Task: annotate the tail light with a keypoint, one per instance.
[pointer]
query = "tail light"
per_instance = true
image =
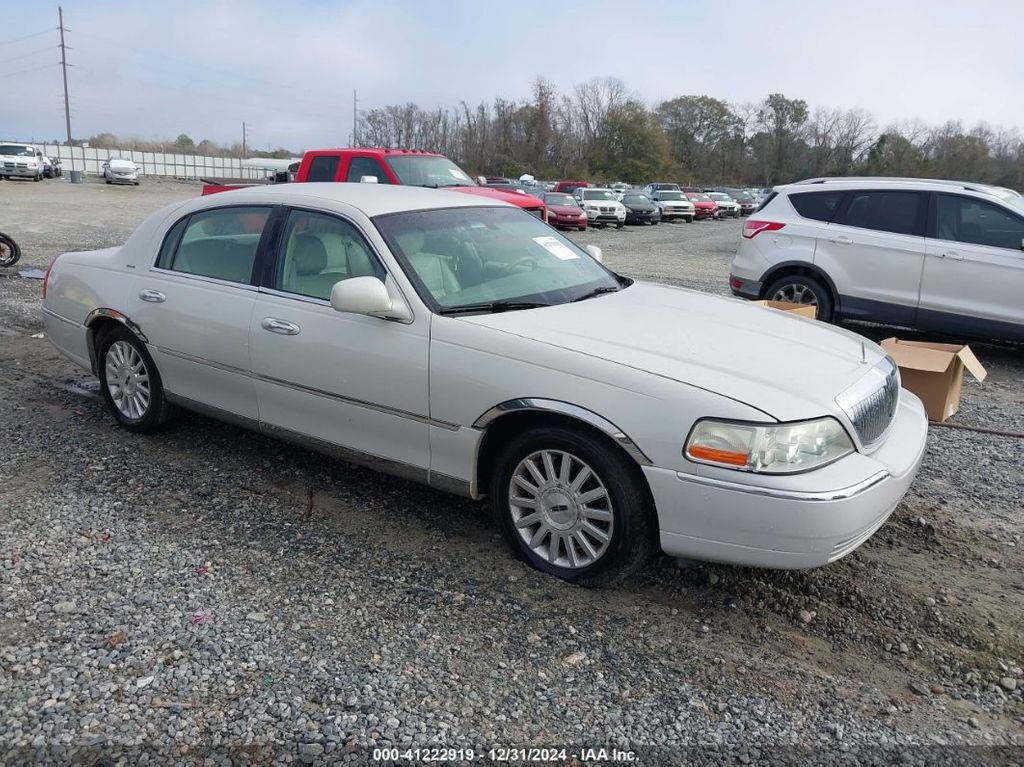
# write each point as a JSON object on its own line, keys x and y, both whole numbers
{"x": 46, "y": 277}
{"x": 752, "y": 228}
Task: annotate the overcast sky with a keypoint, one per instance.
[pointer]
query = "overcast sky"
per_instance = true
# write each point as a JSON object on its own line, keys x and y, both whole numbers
{"x": 289, "y": 68}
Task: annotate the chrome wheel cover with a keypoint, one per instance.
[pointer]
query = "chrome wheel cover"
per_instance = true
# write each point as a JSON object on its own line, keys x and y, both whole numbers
{"x": 796, "y": 293}
{"x": 127, "y": 380}
{"x": 561, "y": 509}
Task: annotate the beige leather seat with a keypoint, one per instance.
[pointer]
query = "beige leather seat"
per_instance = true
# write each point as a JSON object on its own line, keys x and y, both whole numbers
{"x": 304, "y": 268}
{"x": 432, "y": 268}
{"x": 220, "y": 258}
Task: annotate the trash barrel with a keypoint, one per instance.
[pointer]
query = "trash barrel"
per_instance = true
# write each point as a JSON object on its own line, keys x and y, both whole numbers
{"x": 76, "y": 177}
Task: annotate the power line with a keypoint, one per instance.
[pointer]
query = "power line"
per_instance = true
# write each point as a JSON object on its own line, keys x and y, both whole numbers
{"x": 47, "y": 49}
{"x": 31, "y": 69}
{"x": 26, "y": 37}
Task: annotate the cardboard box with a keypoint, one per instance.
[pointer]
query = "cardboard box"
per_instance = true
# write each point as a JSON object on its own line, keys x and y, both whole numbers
{"x": 804, "y": 310}
{"x": 934, "y": 372}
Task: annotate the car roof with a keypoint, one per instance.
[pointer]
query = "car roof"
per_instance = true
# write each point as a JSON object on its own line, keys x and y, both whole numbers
{"x": 914, "y": 183}
{"x": 371, "y": 199}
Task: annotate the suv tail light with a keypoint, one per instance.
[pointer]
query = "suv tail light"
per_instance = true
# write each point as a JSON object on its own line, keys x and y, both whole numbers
{"x": 46, "y": 277}
{"x": 752, "y": 228}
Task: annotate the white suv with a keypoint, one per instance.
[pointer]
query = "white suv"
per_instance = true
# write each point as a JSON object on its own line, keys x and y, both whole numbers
{"x": 946, "y": 256}
{"x": 601, "y": 206}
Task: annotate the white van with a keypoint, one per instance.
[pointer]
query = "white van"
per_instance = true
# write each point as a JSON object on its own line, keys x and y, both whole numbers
{"x": 21, "y": 161}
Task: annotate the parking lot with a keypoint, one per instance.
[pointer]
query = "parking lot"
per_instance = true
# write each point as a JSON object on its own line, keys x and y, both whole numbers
{"x": 213, "y": 590}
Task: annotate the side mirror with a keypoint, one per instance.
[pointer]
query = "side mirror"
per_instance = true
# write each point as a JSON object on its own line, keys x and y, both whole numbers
{"x": 361, "y": 295}
{"x": 595, "y": 252}
{"x": 367, "y": 179}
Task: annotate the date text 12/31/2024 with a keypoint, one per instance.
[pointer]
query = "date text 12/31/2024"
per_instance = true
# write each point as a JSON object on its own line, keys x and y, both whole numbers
{"x": 505, "y": 754}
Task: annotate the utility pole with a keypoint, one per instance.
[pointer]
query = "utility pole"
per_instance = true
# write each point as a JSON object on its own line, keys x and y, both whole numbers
{"x": 64, "y": 68}
{"x": 355, "y": 130}
{"x": 243, "y": 140}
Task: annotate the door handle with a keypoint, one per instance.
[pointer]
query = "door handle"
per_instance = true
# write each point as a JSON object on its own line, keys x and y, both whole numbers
{"x": 842, "y": 239}
{"x": 282, "y": 327}
{"x": 951, "y": 254}
{"x": 153, "y": 296}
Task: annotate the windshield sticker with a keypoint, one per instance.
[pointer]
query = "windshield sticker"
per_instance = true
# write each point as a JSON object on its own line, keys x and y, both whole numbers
{"x": 555, "y": 248}
{"x": 457, "y": 173}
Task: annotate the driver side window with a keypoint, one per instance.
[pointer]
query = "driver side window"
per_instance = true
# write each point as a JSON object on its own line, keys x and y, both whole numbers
{"x": 319, "y": 250}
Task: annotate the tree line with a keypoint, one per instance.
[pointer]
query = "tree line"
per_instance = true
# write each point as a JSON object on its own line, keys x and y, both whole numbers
{"x": 183, "y": 144}
{"x": 599, "y": 130}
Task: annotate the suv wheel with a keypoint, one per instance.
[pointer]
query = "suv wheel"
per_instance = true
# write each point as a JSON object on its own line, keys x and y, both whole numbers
{"x": 572, "y": 506}
{"x": 801, "y": 289}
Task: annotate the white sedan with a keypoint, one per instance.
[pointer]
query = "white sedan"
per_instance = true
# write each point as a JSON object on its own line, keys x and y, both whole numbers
{"x": 465, "y": 344}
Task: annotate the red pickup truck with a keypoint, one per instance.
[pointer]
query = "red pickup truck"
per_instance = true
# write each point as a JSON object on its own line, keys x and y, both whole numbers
{"x": 410, "y": 167}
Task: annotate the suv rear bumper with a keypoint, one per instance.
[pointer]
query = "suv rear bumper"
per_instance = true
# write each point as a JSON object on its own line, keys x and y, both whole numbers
{"x": 744, "y": 288}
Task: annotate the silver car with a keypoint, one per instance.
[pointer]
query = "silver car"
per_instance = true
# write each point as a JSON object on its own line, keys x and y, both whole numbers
{"x": 120, "y": 171}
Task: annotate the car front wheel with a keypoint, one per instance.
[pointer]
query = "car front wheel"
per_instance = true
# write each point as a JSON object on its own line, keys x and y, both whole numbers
{"x": 572, "y": 506}
{"x": 130, "y": 383}
{"x": 802, "y": 289}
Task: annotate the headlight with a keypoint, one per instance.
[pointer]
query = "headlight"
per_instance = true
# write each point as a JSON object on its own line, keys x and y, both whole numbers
{"x": 784, "y": 448}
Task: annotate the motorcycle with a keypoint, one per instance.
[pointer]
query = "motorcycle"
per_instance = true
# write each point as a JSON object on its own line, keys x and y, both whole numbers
{"x": 9, "y": 251}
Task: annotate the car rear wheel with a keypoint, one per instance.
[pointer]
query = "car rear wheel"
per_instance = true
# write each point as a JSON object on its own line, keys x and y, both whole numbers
{"x": 572, "y": 506}
{"x": 130, "y": 383}
{"x": 802, "y": 289}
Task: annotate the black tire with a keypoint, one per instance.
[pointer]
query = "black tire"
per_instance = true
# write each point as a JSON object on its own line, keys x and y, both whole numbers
{"x": 582, "y": 228}
{"x": 633, "y": 530}
{"x": 107, "y": 180}
{"x": 655, "y": 223}
{"x": 159, "y": 410}
{"x": 9, "y": 251}
{"x": 794, "y": 284}
{"x": 37, "y": 178}
{"x": 619, "y": 225}
{"x": 688, "y": 219}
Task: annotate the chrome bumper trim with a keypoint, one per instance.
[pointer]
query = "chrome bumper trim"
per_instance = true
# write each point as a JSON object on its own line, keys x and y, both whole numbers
{"x": 791, "y": 495}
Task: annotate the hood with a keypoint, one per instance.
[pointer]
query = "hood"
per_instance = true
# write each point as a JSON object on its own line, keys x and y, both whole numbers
{"x": 514, "y": 198}
{"x": 703, "y": 204}
{"x": 788, "y": 367}
{"x": 566, "y": 210}
{"x": 644, "y": 208}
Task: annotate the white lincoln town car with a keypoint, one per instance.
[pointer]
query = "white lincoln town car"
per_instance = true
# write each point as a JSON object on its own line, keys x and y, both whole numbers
{"x": 467, "y": 345}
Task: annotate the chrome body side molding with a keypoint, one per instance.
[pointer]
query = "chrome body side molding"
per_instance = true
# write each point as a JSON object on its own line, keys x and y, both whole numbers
{"x": 564, "y": 408}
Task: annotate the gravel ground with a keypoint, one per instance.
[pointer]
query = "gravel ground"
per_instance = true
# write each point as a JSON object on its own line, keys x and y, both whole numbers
{"x": 213, "y": 593}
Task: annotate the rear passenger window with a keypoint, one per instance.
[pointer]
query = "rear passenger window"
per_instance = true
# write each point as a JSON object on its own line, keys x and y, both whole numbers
{"x": 895, "y": 212}
{"x": 323, "y": 168}
{"x": 365, "y": 166}
{"x": 965, "y": 219}
{"x": 320, "y": 250}
{"x": 821, "y": 206}
{"x": 220, "y": 243}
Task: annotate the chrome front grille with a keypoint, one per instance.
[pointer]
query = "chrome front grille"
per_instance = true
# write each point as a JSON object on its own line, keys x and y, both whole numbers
{"x": 871, "y": 403}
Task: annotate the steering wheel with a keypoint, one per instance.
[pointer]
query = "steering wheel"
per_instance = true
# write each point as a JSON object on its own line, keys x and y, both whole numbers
{"x": 526, "y": 262}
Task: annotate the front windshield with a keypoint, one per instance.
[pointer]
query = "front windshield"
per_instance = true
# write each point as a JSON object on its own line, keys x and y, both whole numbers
{"x": 636, "y": 199}
{"x": 697, "y": 197}
{"x": 477, "y": 255}
{"x": 560, "y": 199}
{"x": 16, "y": 150}
{"x": 742, "y": 197}
{"x": 719, "y": 197}
{"x": 427, "y": 170}
{"x": 597, "y": 194}
{"x": 671, "y": 196}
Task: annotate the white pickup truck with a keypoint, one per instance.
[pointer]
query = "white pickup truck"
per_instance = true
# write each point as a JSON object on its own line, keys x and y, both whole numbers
{"x": 21, "y": 160}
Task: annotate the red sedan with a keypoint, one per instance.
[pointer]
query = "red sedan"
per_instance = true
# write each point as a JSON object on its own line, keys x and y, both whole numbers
{"x": 704, "y": 206}
{"x": 564, "y": 212}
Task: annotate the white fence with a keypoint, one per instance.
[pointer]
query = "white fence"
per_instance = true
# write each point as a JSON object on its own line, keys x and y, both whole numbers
{"x": 91, "y": 159}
